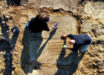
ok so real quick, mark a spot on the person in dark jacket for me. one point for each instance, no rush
(39, 23)
(33, 42)
(80, 42)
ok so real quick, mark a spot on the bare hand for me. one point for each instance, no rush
(63, 36)
(53, 28)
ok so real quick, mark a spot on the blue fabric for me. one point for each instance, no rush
(84, 48)
(15, 30)
(81, 39)
(27, 24)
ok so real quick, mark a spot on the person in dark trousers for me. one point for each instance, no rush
(33, 39)
(39, 23)
(80, 42)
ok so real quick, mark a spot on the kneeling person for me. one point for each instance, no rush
(80, 42)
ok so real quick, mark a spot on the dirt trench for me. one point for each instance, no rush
(46, 49)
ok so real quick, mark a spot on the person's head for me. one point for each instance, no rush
(72, 42)
(43, 16)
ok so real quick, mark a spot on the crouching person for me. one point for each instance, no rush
(80, 42)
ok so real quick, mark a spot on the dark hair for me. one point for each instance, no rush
(43, 16)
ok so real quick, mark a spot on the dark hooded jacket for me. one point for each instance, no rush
(81, 39)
